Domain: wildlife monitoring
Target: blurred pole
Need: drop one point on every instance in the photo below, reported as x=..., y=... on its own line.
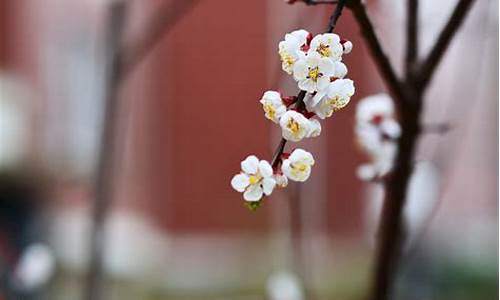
x=104, y=179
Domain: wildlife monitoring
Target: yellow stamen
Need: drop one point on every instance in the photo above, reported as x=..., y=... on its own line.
x=294, y=126
x=324, y=50
x=336, y=103
x=270, y=111
x=298, y=169
x=254, y=179
x=287, y=58
x=314, y=74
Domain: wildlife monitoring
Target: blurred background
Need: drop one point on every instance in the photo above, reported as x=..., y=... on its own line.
x=188, y=115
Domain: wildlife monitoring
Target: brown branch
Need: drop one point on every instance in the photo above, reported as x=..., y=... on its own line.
x=391, y=232
x=411, y=37
x=382, y=62
x=436, y=54
x=410, y=103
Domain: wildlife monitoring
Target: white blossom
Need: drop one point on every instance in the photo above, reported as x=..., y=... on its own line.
x=340, y=70
x=313, y=72
x=337, y=96
x=284, y=285
x=255, y=180
x=281, y=180
x=314, y=128
x=295, y=126
x=35, y=268
x=297, y=166
x=290, y=49
x=273, y=105
x=327, y=45
x=347, y=47
x=376, y=132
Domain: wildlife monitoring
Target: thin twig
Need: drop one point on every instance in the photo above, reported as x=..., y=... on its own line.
x=411, y=36
x=335, y=16
x=432, y=61
x=316, y=2
x=383, y=64
x=103, y=184
x=158, y=25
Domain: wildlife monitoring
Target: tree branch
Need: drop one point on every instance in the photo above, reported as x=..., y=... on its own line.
x=436, y=54
x=382, y=62
x=103, y=182
x=411, y=37
x=159, y=24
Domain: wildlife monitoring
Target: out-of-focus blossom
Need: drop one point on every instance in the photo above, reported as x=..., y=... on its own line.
x=35, y=268
x=255, y=180
x=376, y=132
x=297, y=166
x=273, y=105
x=284, y=286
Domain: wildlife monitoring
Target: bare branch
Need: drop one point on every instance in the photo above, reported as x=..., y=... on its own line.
x=374, y=46
x=103, y=180
x=436, y=54
x=411, y=36
x=158, y=25
x=335, y=15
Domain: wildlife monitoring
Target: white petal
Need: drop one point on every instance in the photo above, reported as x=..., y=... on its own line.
x=307, y=85
x=268, y=185
x=347, y=47
x=314, y=128
x=366, y=172
x=318, y=97
x=250, y=165
x=240, y=182
x=327, y=67
x=253, y=193
x=300, y=70
x=323, y=83
x=265, y=169
x=391, y=128
x=286, y=168
x=340, y=70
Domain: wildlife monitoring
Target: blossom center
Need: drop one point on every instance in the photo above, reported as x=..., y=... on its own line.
x=287, y=58
x=377, y=119
x=254, y=179
x=324, y=50
x=314, y=74
x=335, y=103
x=294, y=126
x=298, y=168
x=270, y=111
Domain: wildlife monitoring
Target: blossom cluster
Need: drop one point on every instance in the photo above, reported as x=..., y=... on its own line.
x=377, y=132
x=315, y=63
